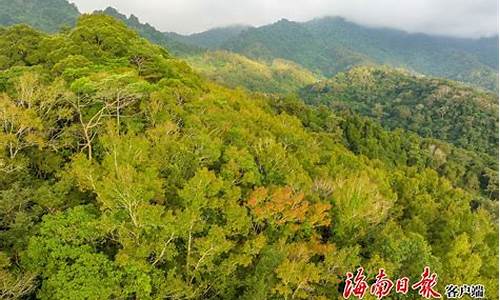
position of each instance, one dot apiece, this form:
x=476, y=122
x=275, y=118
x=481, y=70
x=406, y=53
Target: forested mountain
x=152, y=34
x=324, y=46
x=230, y=69
x=234, y=70
x=47, y=15
x=53, y=15
x=226, y=68
x=126, y=175
x=431, y=107
x=472, y=170
x=331, y=45
x=210, y=39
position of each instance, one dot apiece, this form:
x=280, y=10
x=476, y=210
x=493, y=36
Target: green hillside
x=226, y=68
x=47, y=15
x=53, y=15
x=210, y=39
x=229, y=69
x=234, y=70
x=126, y=175
x=324, y=46
x=431, y=107
x=331, y=45
x=473, y=171
x=152, y=34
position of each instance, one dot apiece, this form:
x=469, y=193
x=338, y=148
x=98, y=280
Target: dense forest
x=127, y=175
x=324, y=46
x=224, y=67
x=331, y=45
x=431, y=107
x=136, y=164
x=153, y=35
x=234, y=70
x=471, y=170
x=47, y=15
x=210, y=39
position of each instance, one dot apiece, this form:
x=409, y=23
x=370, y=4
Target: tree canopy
x=431, y=107
x=126, y=175
x=47, y=15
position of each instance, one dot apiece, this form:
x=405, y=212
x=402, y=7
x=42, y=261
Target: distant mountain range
x=332, y=44
x=323, y=46
x=171, y=42
x=430, y=107
x=210, y=39
x=124, y=174
x=47, y=15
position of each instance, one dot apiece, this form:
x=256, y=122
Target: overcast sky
x=465, y=18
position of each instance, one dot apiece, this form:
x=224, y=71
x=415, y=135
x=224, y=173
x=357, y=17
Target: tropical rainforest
x=127, y=172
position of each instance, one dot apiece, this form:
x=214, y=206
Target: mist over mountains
x=324, y=46
x=331, y=45
x=255, y=163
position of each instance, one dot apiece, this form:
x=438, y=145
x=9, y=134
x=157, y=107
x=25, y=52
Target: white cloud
x=467, y=18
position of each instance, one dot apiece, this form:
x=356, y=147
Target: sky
x=462, y=18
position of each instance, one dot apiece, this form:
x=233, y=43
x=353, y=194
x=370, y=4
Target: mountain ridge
x=432, y=107
x=124, y=174
x=211, y=38
x=340, y=44
x=36, y=12
x=325, y=45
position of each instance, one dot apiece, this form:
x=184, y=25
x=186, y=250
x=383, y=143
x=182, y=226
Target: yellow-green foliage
x=137, y=179
x=431, y=107
x=234, y=70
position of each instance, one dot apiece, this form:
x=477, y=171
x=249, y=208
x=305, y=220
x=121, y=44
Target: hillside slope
x=324, y=46
x=47, y=15
x=234, y=70
x=331, y=45
x=431, y=107
x=210, y=39
x=126, y=175
x=226, y=68
x=152, y=34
